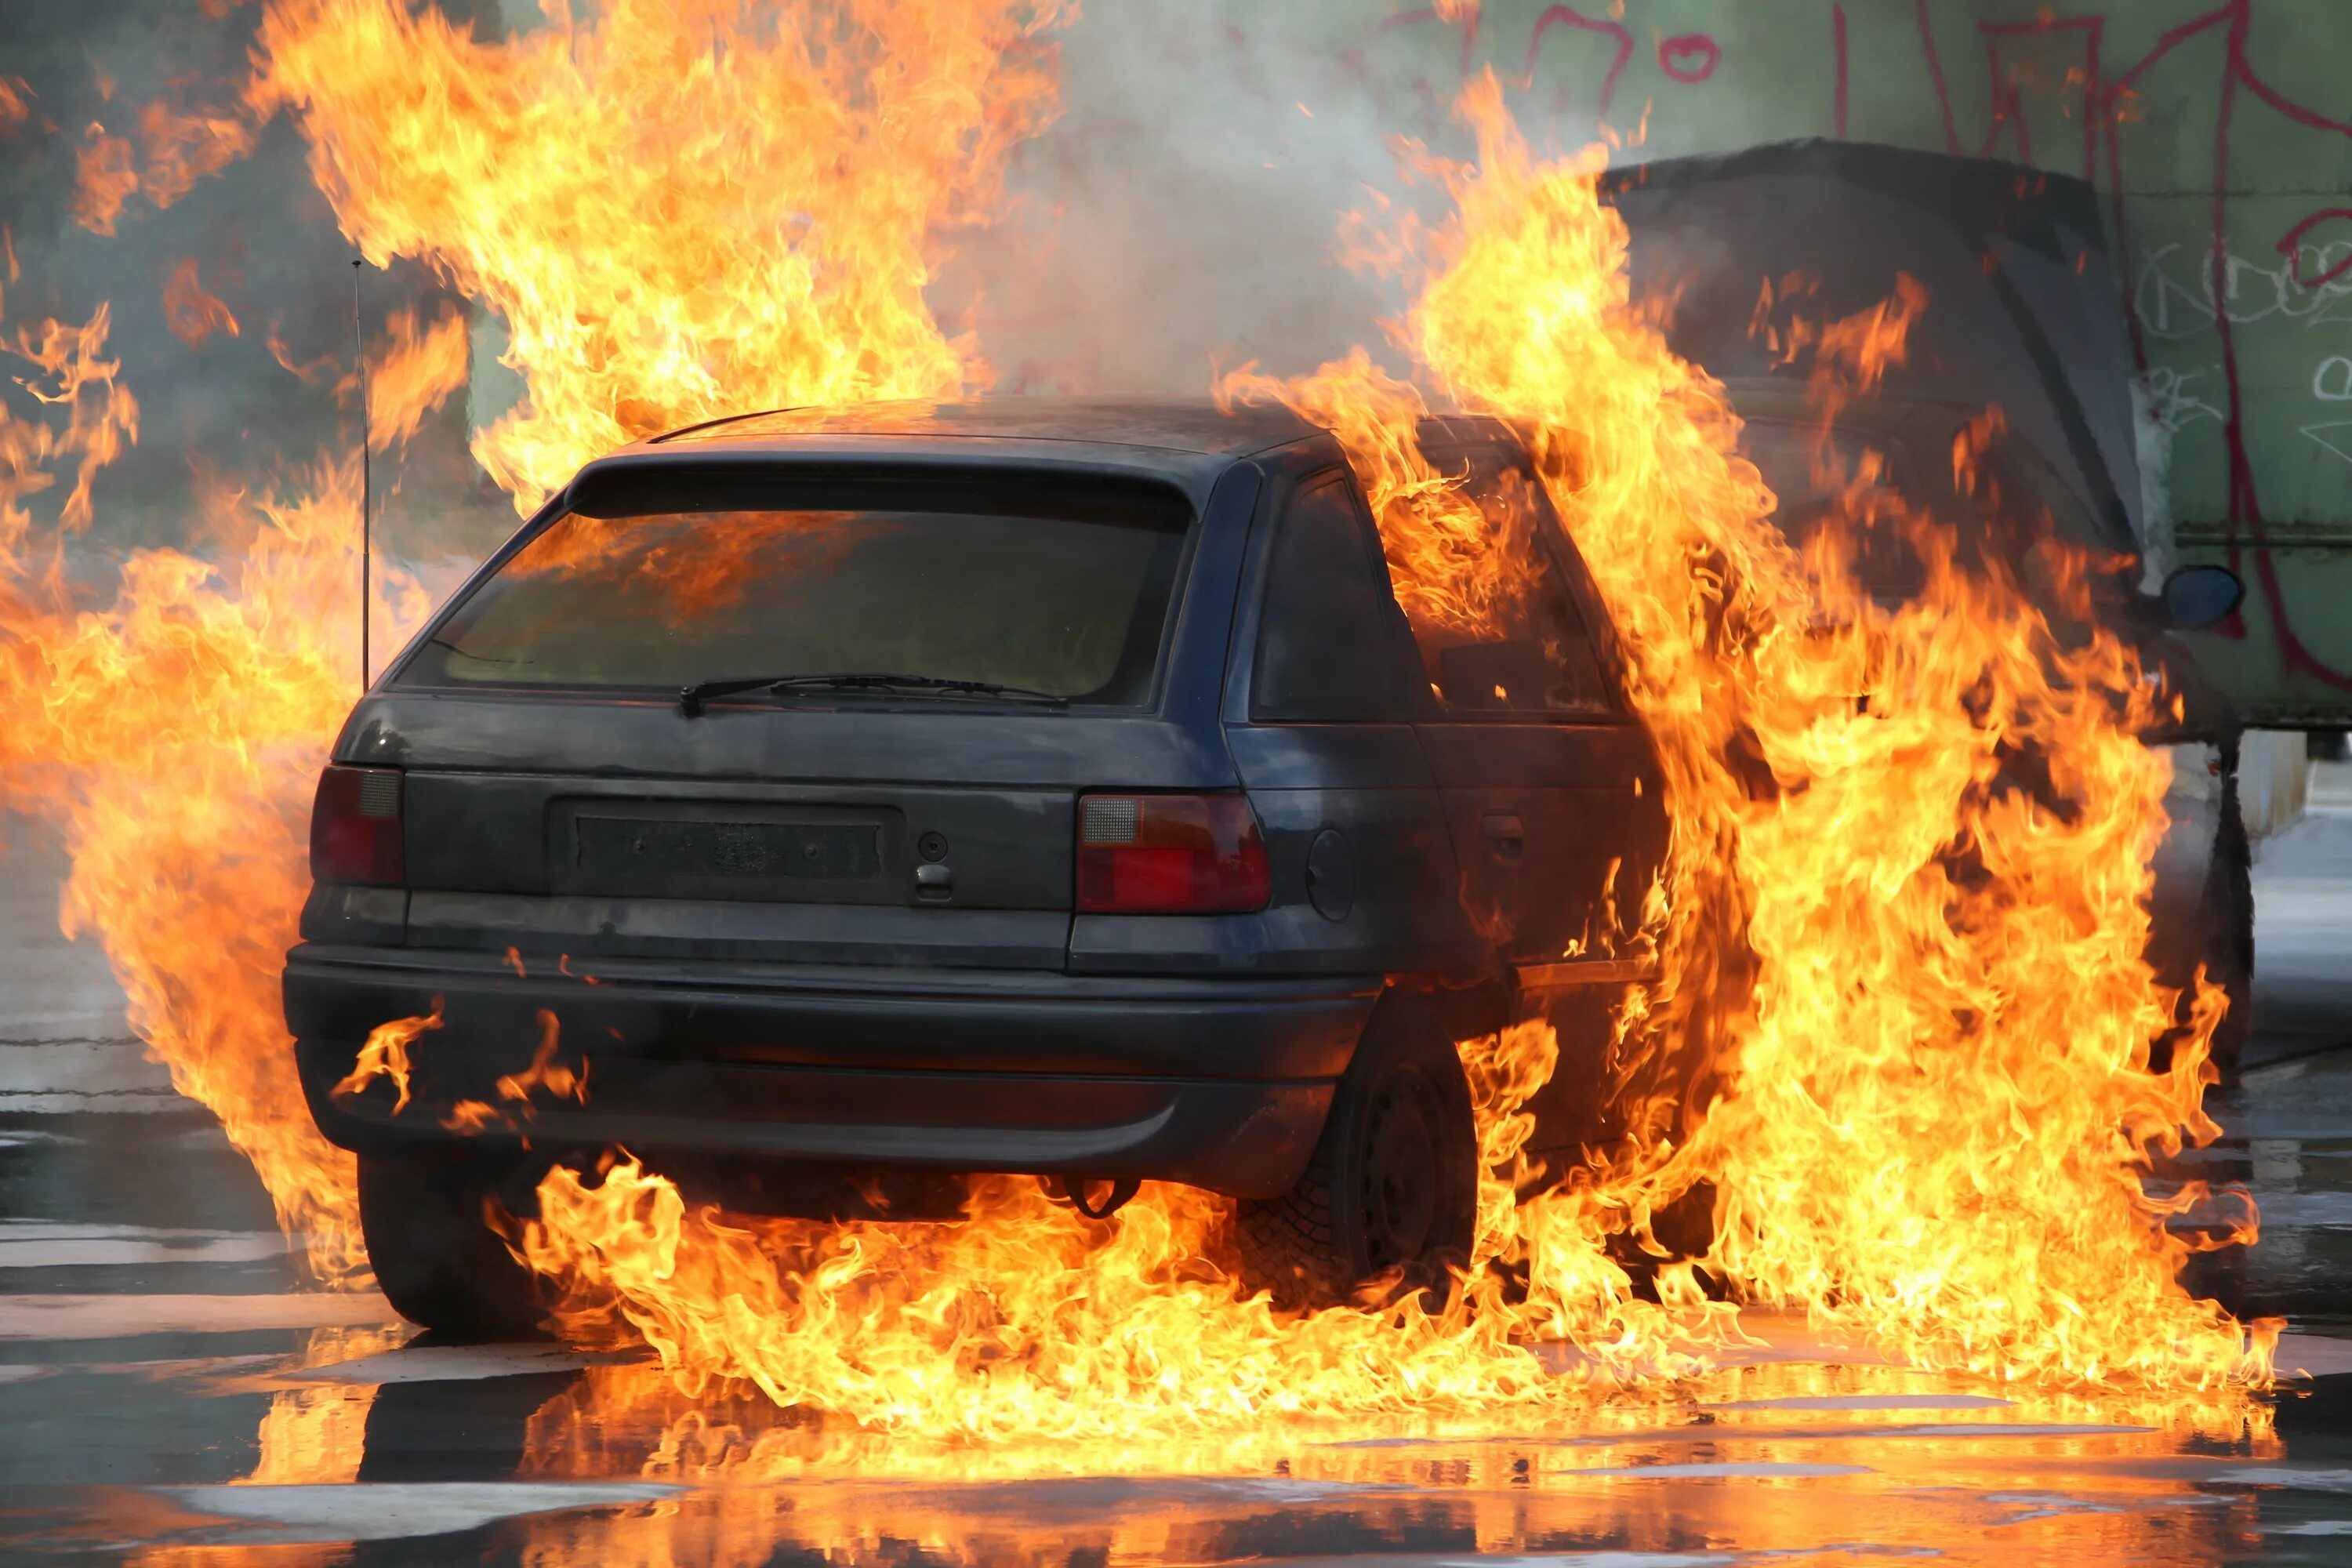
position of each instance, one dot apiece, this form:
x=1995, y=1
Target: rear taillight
x=1171, y=854
x=355, y=827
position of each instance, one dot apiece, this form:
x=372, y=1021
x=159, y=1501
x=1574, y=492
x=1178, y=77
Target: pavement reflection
x=497, y=1454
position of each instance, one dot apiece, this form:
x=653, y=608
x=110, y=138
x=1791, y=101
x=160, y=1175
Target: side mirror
x=2196, y=597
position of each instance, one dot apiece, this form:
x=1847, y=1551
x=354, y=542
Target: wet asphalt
x=172, y=1393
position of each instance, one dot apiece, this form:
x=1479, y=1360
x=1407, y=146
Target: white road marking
x=2285, y=1475
x=77, y=1317
x=452, y=1363
x=30, y=1244
x=26, y=1138
x=54, y=1076
x=390, y=1511
x=2312, y=1355
x=129, y=1102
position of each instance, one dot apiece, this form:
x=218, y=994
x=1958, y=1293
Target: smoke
x=1185, y=210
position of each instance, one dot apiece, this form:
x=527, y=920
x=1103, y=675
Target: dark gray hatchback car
x=881, y=797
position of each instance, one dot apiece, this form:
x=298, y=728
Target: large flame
x=1940, y=1110
x=1909, y=847
x=172, y=736
x=681, y=208
x=757, y=227
x=1902, y=1027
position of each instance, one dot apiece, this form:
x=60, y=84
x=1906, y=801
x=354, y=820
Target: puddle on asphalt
x=562, y=1466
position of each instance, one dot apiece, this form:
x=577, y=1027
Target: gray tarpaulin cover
x=2022, y=309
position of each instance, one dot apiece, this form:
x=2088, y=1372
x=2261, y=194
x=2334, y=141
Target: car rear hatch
x=558, y=798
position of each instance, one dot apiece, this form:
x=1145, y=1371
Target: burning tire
x=437, y=1258
x=1390, y=1198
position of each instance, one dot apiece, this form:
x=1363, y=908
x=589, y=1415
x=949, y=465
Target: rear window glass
x=1058, y=589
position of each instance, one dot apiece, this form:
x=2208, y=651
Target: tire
x=1389, y=1202
x=437, y=1258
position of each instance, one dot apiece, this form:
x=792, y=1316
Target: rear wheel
x=437, y=1258
x=1390, y=1198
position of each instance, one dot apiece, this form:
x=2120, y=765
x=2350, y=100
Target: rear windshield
x=1063, y=589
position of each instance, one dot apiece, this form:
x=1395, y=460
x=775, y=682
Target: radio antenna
x=359, y=348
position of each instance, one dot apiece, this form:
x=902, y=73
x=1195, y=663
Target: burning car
x=828, y=805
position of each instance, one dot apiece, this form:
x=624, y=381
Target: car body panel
x=1221, y=1083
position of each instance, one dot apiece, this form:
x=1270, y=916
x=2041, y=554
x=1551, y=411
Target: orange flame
x=780, y=260
x=101, y=420
x=384, y=1054
x=181, y=150
x=1878, y=939
x=1907, y=985
x=16, y=102
x=192, y=314
x=171, y=737
x=560, y=1078
x=1951, y=1000
x=412, y=373
x=105, y=176
x=1455, y=568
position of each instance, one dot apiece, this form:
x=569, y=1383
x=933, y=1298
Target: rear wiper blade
x=692, y=699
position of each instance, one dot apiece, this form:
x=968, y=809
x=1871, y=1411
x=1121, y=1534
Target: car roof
x=1187, y=443
x=1196, y=427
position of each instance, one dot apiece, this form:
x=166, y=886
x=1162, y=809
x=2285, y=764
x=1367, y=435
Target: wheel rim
x=1400, y=1174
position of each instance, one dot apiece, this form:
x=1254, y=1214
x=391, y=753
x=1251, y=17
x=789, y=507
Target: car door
x=1551, y=790
x=1320, y=700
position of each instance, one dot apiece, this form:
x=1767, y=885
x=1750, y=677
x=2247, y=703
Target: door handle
x=1505, y=833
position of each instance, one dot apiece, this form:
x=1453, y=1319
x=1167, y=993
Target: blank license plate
x=623, y=848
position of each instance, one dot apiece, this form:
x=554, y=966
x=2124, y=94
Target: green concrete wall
x=2198, y=119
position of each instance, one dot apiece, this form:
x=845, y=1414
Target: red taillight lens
x=355, y=827
x=1171, y=854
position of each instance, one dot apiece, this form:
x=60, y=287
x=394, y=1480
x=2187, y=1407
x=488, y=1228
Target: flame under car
x=878, y=798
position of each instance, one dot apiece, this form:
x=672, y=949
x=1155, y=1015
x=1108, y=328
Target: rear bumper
x=1220, y=1083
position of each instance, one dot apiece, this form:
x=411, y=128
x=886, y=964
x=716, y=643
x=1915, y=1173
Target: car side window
x=1533, y=653
x=1324, y=647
